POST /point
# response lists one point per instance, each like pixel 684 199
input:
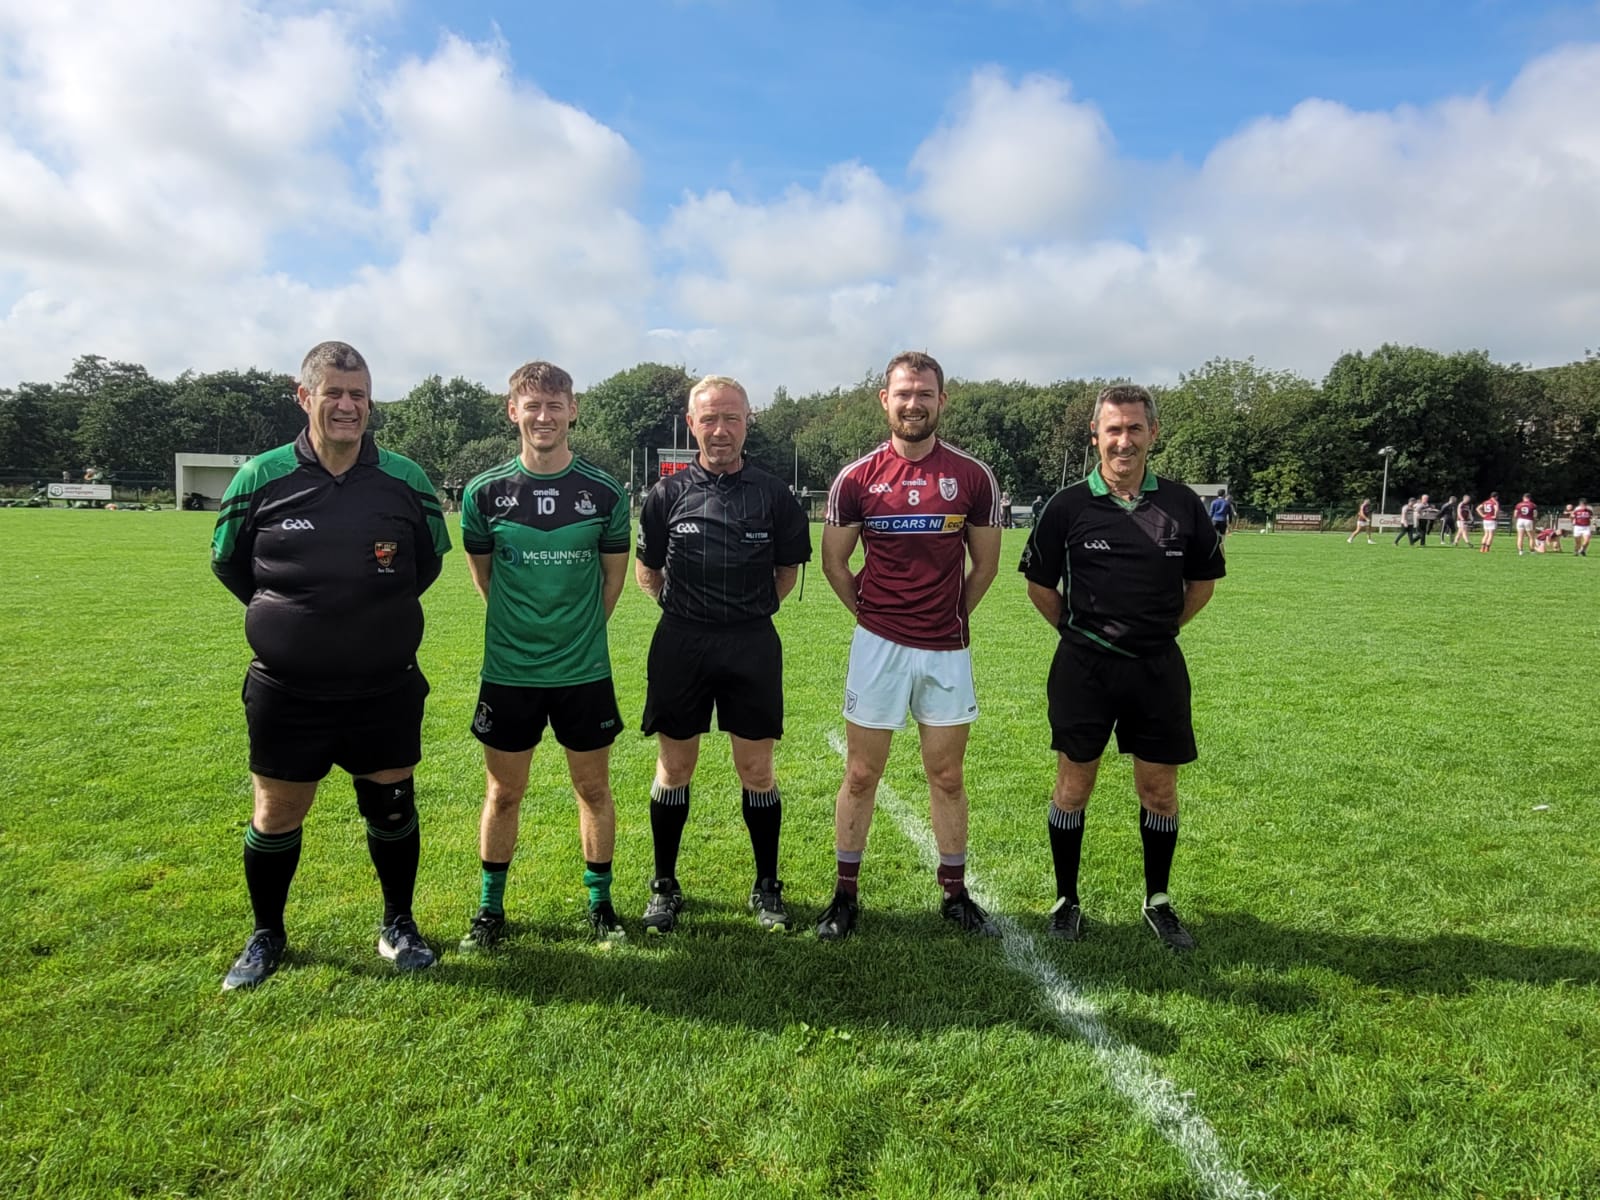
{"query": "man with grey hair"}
pixel 1139 557
pixel 720 546
pixel 330 543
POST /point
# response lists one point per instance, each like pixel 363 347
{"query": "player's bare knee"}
pixel 503 799
pixel 861 779
pixel 1159 798
pixel 947 782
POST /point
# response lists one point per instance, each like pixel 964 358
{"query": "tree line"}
pixel 1456 421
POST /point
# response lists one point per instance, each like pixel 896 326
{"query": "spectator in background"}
pixel 1005 510
pixel 1447 521
pixel 1221 513
pixel 1408 521
pixel 1422 519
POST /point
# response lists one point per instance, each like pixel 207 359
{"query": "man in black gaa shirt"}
pixel 1117 563
pixel 720 545
pixel 330 543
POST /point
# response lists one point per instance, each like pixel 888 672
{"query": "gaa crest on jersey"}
pixel 947 488
pixel 585 505
pixel 384 552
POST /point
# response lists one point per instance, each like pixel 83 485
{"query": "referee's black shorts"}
pixel 1145 699
pixel 736 669
pixel 301 738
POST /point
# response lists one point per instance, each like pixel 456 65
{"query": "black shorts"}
pixel 300 739
pixel 1145 699
pixel 736 668
pixel 583 716
pixel 1221 527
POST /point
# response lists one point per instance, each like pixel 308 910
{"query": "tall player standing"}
pixel 928 515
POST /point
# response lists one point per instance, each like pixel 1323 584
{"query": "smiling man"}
pixel 546 536
pixel 720 546
pixel 1117 564
pixel 330 543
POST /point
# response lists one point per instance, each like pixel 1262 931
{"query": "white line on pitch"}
pixel 1127 1068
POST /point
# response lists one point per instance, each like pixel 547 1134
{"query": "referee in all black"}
pixel 1136 557
pixel 720 546
pixel 330 543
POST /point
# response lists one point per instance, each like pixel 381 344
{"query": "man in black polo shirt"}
pixel 720 545
pixel 330 543
pixel 1136 557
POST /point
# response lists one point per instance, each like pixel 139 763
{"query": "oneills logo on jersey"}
pixel 921 523
pixel 947 488
pixel 384 552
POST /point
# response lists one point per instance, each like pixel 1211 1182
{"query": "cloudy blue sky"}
pixel 791 192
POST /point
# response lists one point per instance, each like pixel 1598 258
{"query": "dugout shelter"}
pixel 206 475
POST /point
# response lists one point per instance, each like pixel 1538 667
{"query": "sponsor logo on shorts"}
pixel 384 552
pixel 293 523
pixel 686 527
pixel 607 723
pixel 947 488
pixel 483 722
pixel 585 505
pixel 1174 553
pixel 1097 544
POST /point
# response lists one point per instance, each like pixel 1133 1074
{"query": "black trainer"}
pixel 839 919
pixel 401 943
pixel 605 926
pixel 1160 917
pixel 487 928
pixel 969 915
pixel 260 958
pixel 766 901
pixel 666 901
pixel 1066 921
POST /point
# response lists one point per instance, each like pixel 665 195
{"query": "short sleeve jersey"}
pixel 1122 567
pixel 546 621
pixel 1490 509
pixel 717 539
pixel 913 516
pixel 1581 516
pixel 1526 510
pixel 334 567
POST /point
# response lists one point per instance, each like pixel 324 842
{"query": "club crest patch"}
pixel 384 552
pixel 947 488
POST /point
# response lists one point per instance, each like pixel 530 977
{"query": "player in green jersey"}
pixel 546 536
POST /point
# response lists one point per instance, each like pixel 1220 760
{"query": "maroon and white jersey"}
pixel 1581 516
pixel 913 518
pixel 1490 509
pixel 1526 510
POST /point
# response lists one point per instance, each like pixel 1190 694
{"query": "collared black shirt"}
pixel 717 539
pixel 1121 566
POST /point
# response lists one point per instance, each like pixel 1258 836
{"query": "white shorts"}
pixel 886 678
pixel 1581 531
pixel 1524 525
pixel 1489 526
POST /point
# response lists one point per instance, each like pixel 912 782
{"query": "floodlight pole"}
pixel 1383 499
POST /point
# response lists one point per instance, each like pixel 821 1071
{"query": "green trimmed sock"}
pixel 597 878
pixel 493 894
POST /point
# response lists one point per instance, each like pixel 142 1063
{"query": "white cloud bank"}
pixel 162 166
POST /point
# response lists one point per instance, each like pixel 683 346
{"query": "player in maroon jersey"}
pixel 1363 523
pixel 1582 519
pixel 1526 513
pixel 928 517
pixel 1489 510
pixel 1463 533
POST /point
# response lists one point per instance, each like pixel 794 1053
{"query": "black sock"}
pixel 393 841
pixel 763 817
pixel 669 813
pixel 270 860
pixel 1160 837
pixel 1066 849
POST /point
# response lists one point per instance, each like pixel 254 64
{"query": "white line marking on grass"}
pixel 1127 1068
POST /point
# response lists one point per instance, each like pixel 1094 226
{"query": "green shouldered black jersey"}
pixel 331 569
pixel 1122 566
pixel 546 622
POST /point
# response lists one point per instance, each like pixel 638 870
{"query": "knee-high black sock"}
pixel 1066 849
pixel 669 813
pixel 270 860
pixel 763 817
pixel 393 840
pixel 1160 837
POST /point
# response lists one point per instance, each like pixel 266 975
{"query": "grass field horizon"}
pixel 1387 856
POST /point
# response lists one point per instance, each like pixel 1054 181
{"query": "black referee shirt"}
pixel 1122 566
pixel 717 538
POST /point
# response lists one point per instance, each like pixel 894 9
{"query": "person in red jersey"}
pixel 1363 523
pixel 1463 533
pixel 1525 513
pixel 1489 510
pixel 928 516
pixel 1582 520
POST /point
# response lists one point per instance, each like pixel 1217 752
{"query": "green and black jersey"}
pixel 330 568
pixel 1123 564
pixel 546 623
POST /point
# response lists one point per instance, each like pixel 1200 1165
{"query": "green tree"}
pixel 635 412
pixel 435 419
pixel 126 424
pixel 235 412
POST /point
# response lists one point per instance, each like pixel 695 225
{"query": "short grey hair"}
pixel 1121 394
pixel 711 383
pixel 331 356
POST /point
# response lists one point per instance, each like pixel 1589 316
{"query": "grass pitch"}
pixel 1387 854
